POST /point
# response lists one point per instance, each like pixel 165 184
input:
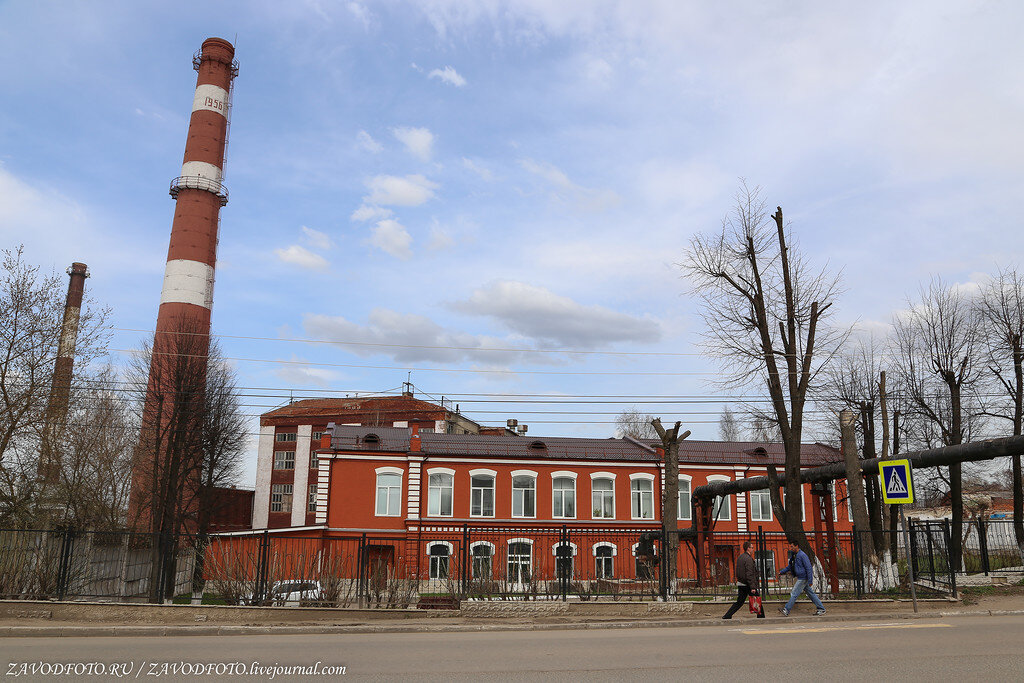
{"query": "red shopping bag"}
pixel 755 604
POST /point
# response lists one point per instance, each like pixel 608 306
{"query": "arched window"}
pixel 602 495
pixel 440 491
pixel 641 488
pixel 481 493
pixel 604 560
pixel 722 505
pixel 483 560
pixel 389 492
pixel 524 493
pixel 563 497
pixel 520 562
pixel 440 553
pixel 564 553
pixel 684 497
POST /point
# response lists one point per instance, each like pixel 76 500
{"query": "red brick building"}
pixel 507 506
pixel 286 468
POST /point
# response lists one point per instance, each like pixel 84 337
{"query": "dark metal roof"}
pixel 397 440
pixel 750 452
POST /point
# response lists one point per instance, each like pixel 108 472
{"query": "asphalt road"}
pixel 936 649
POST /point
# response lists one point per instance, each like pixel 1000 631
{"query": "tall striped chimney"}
pixel 183 321
pixel 60 385
pixel 192 255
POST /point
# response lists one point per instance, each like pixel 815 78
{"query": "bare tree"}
pixel 189 440
pixel 634 423
pixel 31 312
pixel 765 311
pixel 940 361
pixel 1002 309
pixel 91 488
pixel 728 425
pixel 670 440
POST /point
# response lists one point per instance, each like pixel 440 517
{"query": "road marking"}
pixel 823 629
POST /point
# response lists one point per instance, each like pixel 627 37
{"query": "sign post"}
pixel 898 489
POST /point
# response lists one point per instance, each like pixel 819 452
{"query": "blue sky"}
pixel 509 175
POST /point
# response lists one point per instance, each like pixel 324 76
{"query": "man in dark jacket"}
pixel 800 567
pixel 746 578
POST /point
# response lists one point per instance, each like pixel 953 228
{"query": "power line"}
pixel 439 347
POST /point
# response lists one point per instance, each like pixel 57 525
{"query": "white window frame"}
pixel 508 555
pixel 683 512
pixel 286 437
pixel 284 463
pixel 284 497
pixel 439 489
pixel 763 493
pixel 572 559
pixel 726 503
pixel 473 490
pixel 430 560
pixel 594 478
pixel 571 476
pixel 472 559
pixel 636 495
pixel 311 498
pixel 390 471
pixel 598 559
pixel 532 475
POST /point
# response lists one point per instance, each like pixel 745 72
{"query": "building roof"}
pixel 750 452
pixel 397 440
pixel 390 408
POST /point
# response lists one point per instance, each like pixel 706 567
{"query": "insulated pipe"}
pixel 933 457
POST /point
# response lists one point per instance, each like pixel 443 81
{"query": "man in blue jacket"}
pixel 800 567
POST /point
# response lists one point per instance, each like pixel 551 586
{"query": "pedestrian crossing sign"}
pixel 897 484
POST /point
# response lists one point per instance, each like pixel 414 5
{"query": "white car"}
pixel 289 593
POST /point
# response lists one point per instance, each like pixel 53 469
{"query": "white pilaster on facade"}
pixel 741 506
pixel 413 498
pixel 264 466
pixel 300 488
pixel 322 486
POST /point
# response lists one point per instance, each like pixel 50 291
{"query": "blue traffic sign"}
pixel 897 484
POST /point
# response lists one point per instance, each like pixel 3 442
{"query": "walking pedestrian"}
pixel 746 580
pixel 800 567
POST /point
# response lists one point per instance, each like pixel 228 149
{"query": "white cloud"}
pixel 360 14
pixel 365 141
pixel 296 374
pixel 391 236
pixel 440 238
pixel 448 75
pixel 551 319
pixel 302 257
pixel 316 239
pixel 410 190
pixel 480 170
pixel 422 339
pixel 419 141
pixel 370 213
pixel 565 189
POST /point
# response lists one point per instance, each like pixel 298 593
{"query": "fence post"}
pixel 952 569
pixel 361 569
pixel 563 549
pixel 761 553
pixel 259 594
pixel 64 568
pixel 465 558
pixel 858 571
pixel 983 546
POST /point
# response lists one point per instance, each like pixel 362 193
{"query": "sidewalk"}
pixel 29 619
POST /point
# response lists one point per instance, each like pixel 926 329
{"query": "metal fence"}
pixel 439 565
